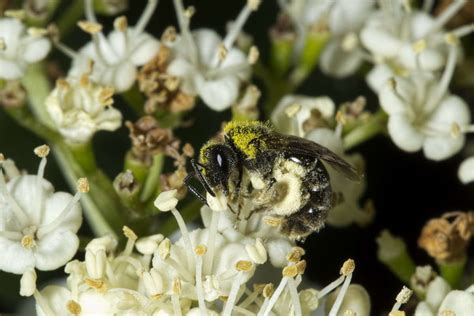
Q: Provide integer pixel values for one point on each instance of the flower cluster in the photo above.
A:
(206, 271)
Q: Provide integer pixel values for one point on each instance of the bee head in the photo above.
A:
(219, 162)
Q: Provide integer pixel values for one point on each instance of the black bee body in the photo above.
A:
(280, 174)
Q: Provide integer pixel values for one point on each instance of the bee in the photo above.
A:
(281, 175)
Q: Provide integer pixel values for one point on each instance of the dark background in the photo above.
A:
(406, 188)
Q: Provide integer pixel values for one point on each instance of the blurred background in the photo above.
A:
(407, 189)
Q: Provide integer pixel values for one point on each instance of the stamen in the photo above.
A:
(89, 11)
(274, 298)
(200, 251)
(82, 187)
(241, 267)
(402, 298)
(186, 238)
(340, 296)
(294, 297)
(330, 287)
(211, 237)
(17, 210)
(443, 85)
(253, 55)
(176, 289)
(445, 16)
(42, 152)
(183, 22)
(428, 5)
(28, 242)
(252, 5)
(66, 50)
(131, 238)
(145, 17)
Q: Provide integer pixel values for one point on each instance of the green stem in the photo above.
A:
(189, 212)
(67, 21)
(153, 178)
(135, 100)
(452, 272)
(84, 156)
(376, 124)
(37, 85)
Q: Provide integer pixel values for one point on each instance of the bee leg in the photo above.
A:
(201, 178)
(193, 189)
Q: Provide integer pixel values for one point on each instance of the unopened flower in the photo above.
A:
(12, 94)
(81, 108)
(162, 89)
(424, 115)
(19, 48)
(37, 226)
(115, 57)
(208, 65)
(421, 279)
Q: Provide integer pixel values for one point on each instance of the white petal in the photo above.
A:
(466, 170)
(219, 94)
(430, 59)
(277, 250)
(436, 292)
(420, 24)
(23, 190)
(337, 62)
(459, 302)
(208, 42)
(452, 109)
(11, 70)
(55, 249)
(349, 16)
(356, 299)
(394, 99)
(380, 41)
(423, 309)
(109, 120)
(15, 258)
(11, 31)
(124, 76)
(35, 49)
(55, 204)
(378, 76)
(327, 138)
(404, 134)
(95, 303)
(56, 297)
(180, 67)
(147, 49)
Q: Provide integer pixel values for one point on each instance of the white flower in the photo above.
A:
(466, 170)
(117, 56)
(37, 226)
(342, 55)
(208, 65)
(441, 298)
(19, 48)
(424, 115)
(402, 39)
(347, 210)
(293, 111)
(81, 108)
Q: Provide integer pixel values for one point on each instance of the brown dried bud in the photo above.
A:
(442, 240)
(163, 90)
(148, 139)
(12, 95)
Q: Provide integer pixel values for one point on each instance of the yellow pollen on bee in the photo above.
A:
(28, 242)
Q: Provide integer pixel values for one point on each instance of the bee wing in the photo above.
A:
(300, 146)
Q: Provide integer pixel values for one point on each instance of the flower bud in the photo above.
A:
(28, 283)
